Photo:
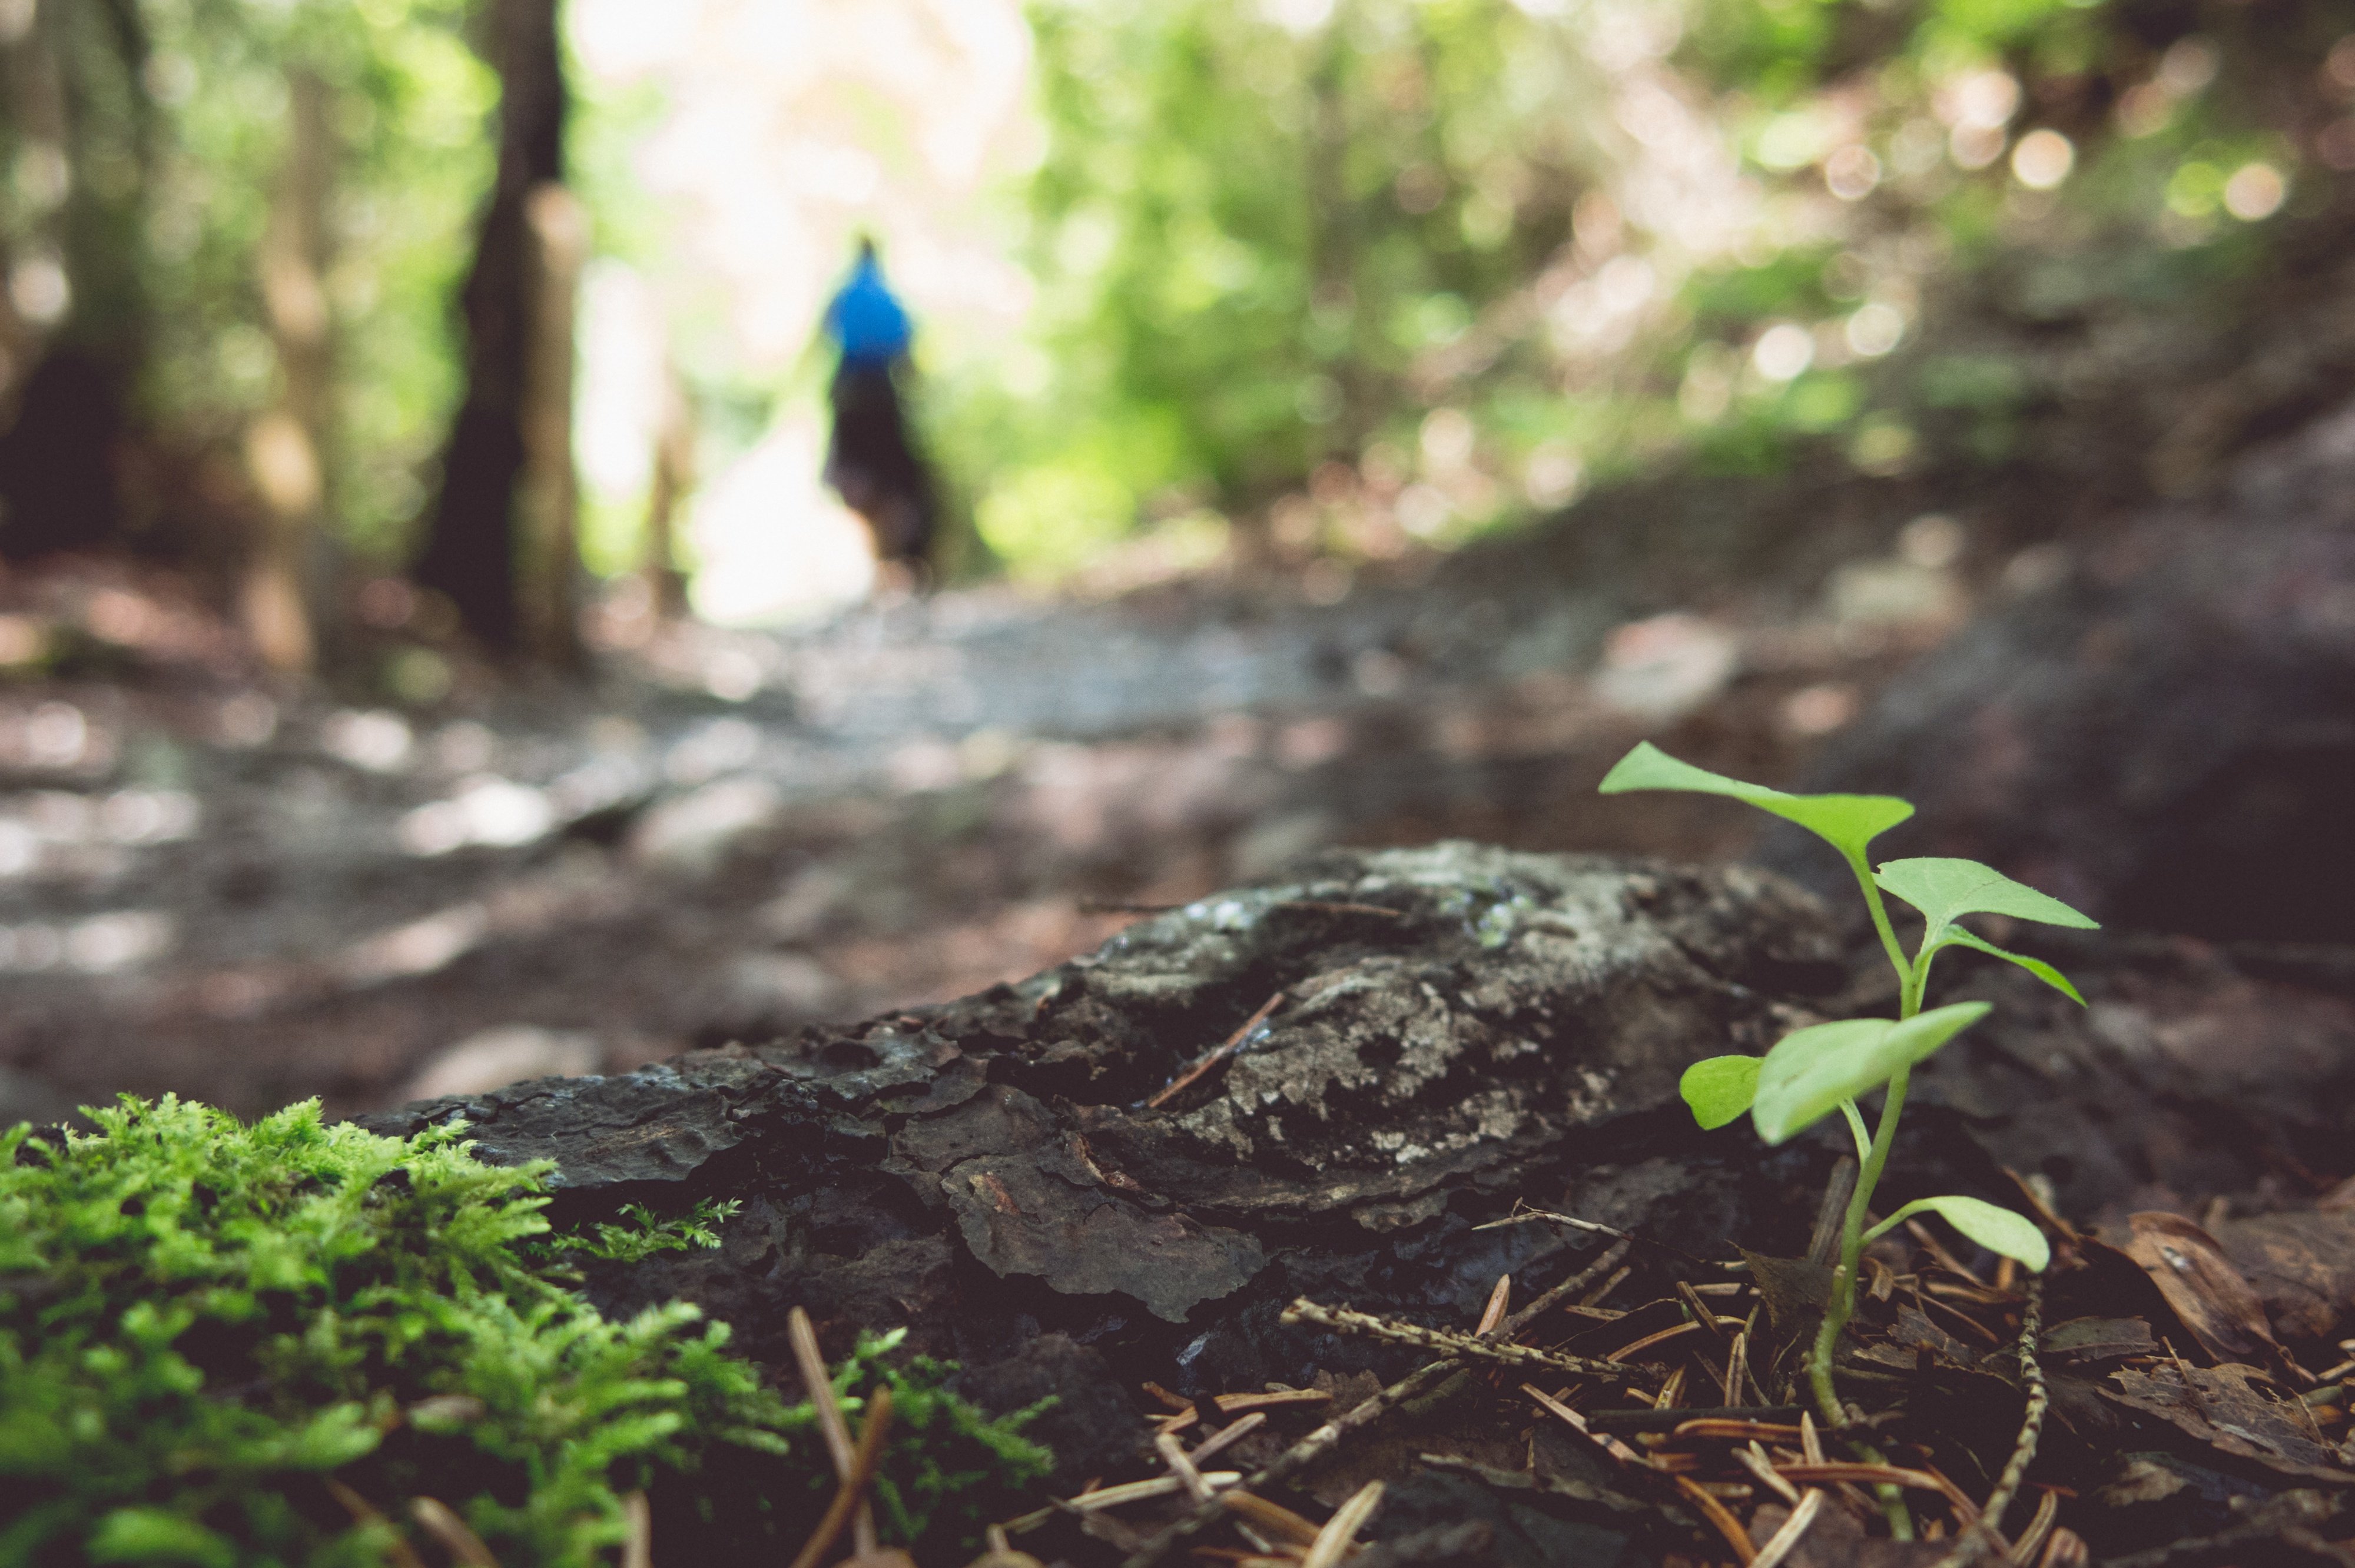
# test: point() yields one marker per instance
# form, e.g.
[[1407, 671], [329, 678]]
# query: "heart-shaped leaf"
[[1810, 1071], [1720, 1089], [1995, 1229], [1848, 822], [1958, 937], [1945, 890]]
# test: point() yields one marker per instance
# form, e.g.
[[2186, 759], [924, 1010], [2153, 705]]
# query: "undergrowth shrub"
[[223, 1345]]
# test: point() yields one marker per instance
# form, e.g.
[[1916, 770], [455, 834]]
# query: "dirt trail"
[[252, 896]]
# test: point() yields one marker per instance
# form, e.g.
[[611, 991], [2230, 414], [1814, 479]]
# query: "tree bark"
[[73, 316], [473, 550], [549, 493], [286, 447], [674, 478]]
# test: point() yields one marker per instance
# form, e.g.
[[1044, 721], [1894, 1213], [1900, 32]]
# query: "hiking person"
[[871, 461]]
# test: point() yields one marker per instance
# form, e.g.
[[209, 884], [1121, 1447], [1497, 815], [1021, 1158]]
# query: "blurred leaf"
[[1996, 1229], [1719, 1088], [1945, 890], [1810, 1071], [1848, 822], [1959, 938]]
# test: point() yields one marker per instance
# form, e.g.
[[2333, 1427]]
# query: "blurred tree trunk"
[[548, 494], [285, 448], [1333, 228], [80, 128], [674, 478], [474, 550]]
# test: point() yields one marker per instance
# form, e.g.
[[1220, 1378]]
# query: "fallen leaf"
[[2098, 1340], [1795, 1290], [2221, 1406], [2222, 1313], [2302, 1267]]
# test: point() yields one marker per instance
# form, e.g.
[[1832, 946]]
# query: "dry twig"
[[1273, 1518], [1785, 1541], [1342, 1321], [399, 1552], [864, 1461], [1173, 1454], [638, 1546], [1332, 1542], [1720, 1517], [2048, 1514], [1577, 1423], [1328, 1436], [1232, 1433], [1782, 1418], [1988, 1535], [1231, 1403], [1232, 1044], [444, 1526], [1499, 1299], [835, 1432]]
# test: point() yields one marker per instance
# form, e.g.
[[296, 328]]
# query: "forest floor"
[[253, 892], [249, 893]]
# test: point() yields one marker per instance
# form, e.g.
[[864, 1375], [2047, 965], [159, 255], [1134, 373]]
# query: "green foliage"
[[1997, 1230], [408, 102], [1719, 1088], [643, 1232], [203, 1325], [948, 1469], [1945, 890], [1273, 239], [1848, 822], [1958, 937], [1248, 238], [1827, 1067], [1810, 1072]]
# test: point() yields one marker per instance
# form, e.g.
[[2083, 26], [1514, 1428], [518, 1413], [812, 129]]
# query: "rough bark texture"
[[470, 553], [1461, 1028]]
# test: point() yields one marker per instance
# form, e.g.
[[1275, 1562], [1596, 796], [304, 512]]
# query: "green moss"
[[209, 1332], [641, 1234]]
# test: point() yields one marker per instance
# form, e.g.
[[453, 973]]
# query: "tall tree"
[[285, 446], [477, 552], [79, 133]]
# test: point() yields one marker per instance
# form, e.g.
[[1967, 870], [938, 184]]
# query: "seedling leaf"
[[1720, 1089], [1957, 936], [1995, 1229], [1810, 1071], [1848, 822], [1945, 890]]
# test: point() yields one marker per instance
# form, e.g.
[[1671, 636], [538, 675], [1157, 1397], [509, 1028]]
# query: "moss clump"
[[251, 1345]]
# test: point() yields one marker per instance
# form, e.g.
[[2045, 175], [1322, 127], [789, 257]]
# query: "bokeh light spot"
[[2043, 160], [2255, 191]]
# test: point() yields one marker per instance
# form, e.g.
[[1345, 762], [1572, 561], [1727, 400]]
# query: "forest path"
[[251, 898]]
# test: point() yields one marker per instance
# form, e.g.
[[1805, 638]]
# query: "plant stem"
[[1843, 1299], [1843, 1296], [1910, 994], [1842, 1305]]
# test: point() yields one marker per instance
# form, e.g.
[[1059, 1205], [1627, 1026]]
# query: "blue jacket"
[[867, 319]]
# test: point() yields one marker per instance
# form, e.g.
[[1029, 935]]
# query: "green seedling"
[[1812, 1073]]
